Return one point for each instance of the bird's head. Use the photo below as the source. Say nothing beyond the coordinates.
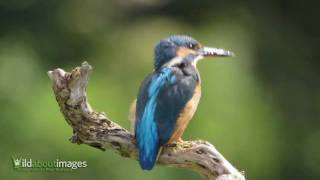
(180, 46)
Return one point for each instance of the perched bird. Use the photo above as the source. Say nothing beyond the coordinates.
(169, 96)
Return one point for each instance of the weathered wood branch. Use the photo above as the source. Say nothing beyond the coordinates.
(97, 130)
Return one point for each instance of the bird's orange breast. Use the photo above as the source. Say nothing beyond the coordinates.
(186, 114)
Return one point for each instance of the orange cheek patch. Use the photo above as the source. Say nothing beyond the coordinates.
(183, 52)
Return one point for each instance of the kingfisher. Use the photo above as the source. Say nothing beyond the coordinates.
(169, 96)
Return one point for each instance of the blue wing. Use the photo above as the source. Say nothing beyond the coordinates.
(162, 97)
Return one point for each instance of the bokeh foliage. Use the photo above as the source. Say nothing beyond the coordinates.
(261, 109)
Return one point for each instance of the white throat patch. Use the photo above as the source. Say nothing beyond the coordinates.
(178, 60)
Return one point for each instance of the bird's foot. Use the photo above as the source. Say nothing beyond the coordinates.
(174, 143)
(171, 145)
(179, 140)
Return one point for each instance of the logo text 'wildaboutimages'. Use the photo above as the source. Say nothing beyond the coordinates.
(29, 164)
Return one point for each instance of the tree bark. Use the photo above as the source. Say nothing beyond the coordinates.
(97, 130)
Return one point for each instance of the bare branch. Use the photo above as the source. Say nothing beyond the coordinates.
(97, 130)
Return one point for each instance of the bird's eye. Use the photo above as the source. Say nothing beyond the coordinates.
(193, 46)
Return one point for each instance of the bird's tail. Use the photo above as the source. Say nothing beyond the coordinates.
(148, 156)
(148, 144)
(147, 137)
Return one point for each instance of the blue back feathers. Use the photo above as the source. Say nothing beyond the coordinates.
(161, 98)
(146, 128)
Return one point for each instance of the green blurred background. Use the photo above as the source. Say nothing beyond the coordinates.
(261, 109)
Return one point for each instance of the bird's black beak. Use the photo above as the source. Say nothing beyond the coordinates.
(214, 52)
